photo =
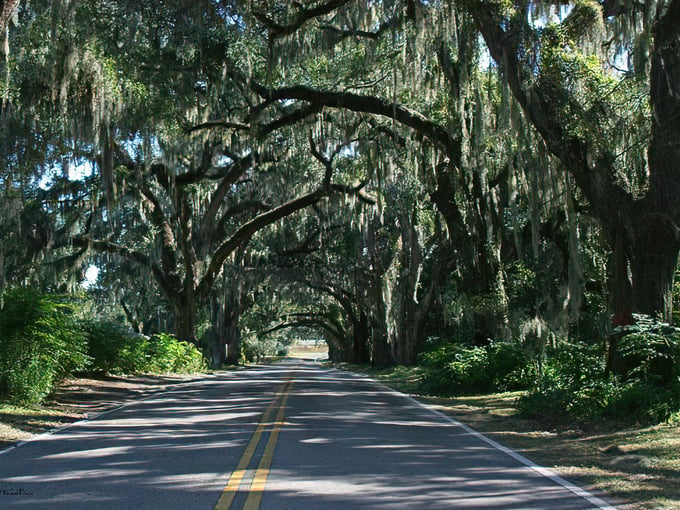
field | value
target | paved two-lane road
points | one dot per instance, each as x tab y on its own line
289	436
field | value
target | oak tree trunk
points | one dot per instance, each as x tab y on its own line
653	263
185	319
232	341
360	351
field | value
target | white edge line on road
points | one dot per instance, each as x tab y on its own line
95	416
544	471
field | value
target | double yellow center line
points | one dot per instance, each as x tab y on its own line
255	487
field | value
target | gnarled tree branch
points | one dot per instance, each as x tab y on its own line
366	104
277	30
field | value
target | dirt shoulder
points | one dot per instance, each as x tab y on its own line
76	399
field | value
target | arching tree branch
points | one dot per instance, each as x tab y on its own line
589	168
139	258
366	104
243	235
277	30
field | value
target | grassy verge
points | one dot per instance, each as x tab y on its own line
636	466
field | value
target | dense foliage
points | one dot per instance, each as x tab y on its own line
570	381
454	369
115	349
487	188
40	343
575	382
45	338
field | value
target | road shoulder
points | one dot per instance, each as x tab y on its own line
76	399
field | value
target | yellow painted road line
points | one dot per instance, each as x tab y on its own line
262	473
237	475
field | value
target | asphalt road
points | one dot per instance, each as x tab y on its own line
289	436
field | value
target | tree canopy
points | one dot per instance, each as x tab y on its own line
391	173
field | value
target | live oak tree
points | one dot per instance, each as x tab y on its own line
642	224
180	195
394	62
315	261
201	125
379	265
556	70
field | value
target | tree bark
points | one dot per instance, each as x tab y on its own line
225	337
7	8
656	243
185	319
623	298
232	341
380	352
360	334
653	263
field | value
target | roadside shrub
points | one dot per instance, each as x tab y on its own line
106	339
644	403
509	367
115	349
132	356
572	384
453	368
575	383
603	399
167	354
650	351
521	378
40	343
255	348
